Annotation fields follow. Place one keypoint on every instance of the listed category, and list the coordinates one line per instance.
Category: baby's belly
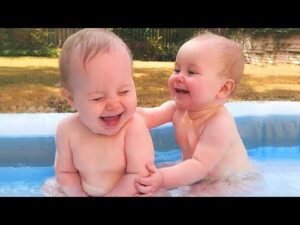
(95, 190)
(100, 185)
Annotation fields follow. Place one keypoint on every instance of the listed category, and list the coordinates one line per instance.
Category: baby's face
(194, 82)
(104, 94)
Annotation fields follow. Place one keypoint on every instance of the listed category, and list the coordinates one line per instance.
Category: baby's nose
(179, 79)
(111, 106)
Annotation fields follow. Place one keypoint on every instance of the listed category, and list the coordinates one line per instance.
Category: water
(280, 172)
(23, 181)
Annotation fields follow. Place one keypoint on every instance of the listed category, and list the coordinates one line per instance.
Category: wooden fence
(267, 50)
(57, 36)
(260, 51)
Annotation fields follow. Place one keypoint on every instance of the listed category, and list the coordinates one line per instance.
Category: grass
(31, 84)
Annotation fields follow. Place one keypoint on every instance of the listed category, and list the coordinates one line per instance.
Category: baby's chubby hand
(147, 186)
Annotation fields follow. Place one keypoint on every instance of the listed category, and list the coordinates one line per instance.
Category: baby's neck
(204, 113)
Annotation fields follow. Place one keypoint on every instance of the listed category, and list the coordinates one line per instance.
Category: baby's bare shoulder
(221, 118)
(137, 122)
(68, 123)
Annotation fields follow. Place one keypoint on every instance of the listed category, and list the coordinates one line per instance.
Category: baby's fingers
(147, 181)
(143, 189)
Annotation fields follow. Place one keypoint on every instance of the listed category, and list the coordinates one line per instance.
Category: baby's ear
(226, 89)
(68, 96)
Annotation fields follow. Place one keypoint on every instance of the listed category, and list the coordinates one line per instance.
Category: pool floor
(280, 169)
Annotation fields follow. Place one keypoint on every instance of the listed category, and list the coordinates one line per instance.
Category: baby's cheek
(171, 78)
(171, 82)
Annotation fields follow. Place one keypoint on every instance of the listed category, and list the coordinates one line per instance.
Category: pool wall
(28, 139)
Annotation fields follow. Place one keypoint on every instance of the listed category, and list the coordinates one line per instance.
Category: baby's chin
(182, 106)
(107, 132)
(110, 132)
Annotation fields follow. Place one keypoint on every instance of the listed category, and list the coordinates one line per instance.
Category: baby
(105, 145)
(207, 70)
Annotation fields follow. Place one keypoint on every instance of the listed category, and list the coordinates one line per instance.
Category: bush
(25, 42)
(46, 52)
(153, 50)
(152, 44)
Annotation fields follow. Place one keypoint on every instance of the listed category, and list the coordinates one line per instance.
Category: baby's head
(229, 55)
(83, 46)
(96, 78)
(207, 69)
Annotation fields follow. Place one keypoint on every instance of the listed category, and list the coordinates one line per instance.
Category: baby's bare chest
(99, 153)
(187, 137)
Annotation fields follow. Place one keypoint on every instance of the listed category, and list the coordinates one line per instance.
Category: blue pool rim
(28, 138)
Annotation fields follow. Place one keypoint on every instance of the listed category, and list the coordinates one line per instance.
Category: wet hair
(230, 53)
(86, 44)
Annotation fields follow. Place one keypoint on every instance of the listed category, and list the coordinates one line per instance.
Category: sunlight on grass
(33, 98)
(272, 70)
(31, 84)
(152, 64)
(20, 62)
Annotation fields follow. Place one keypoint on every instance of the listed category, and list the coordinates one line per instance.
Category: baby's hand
(147, 186)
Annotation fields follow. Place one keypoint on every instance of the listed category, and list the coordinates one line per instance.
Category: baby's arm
(149, 185)
(209, 150)
(139, 151)
(158, 115)
(184, 173)
(66, 174)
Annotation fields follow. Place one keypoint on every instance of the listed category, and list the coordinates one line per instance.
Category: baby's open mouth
(181, 91)
(111, 120)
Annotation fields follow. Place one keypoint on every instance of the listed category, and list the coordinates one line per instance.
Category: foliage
(45, 51)
(25, 42)
(145, 43)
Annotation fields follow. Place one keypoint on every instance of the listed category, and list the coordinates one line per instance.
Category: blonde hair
(86, 43)
(230, 53)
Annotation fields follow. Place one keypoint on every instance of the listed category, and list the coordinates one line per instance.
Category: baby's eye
(191, 73)
(176, 71)
(123, 92)
(97, 99)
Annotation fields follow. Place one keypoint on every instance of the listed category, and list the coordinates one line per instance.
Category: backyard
(31, 84)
